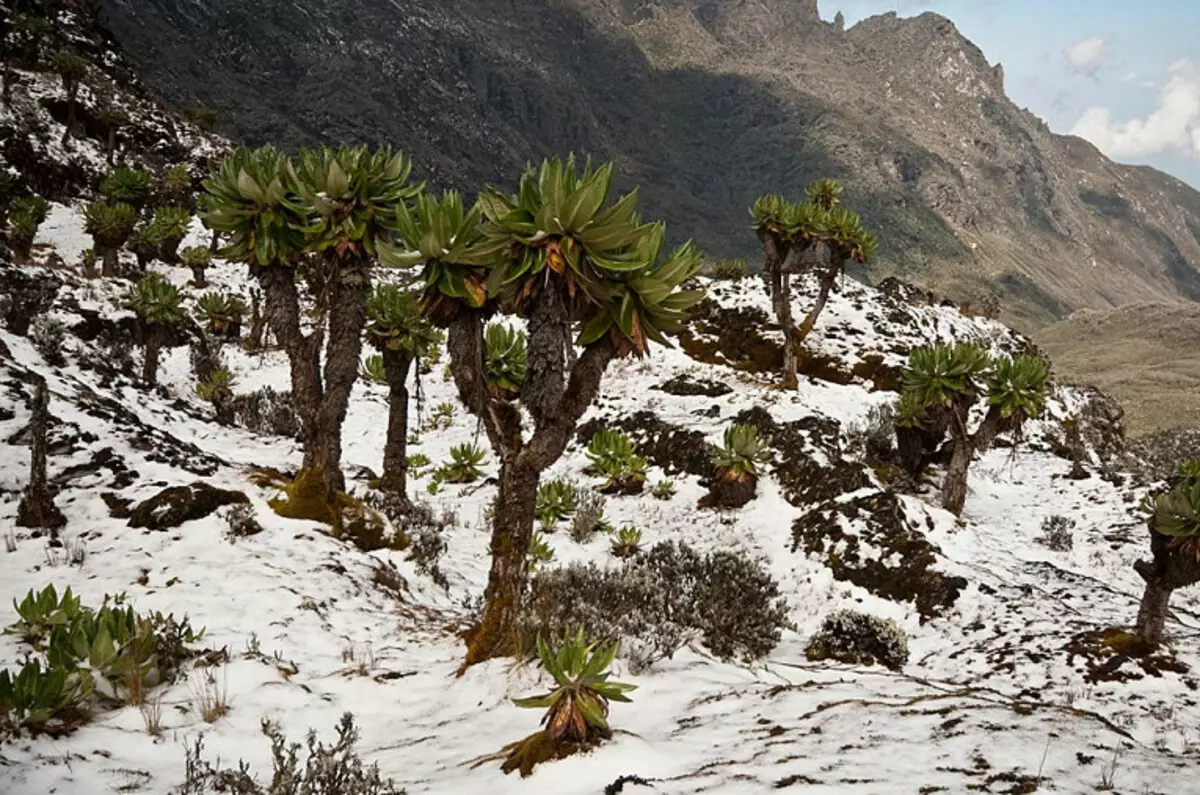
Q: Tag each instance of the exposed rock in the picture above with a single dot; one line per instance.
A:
(27, 294)
(118, 507)
(726, 493)
(684, 385)
(175, 505)
(868, 541)
(662, 444)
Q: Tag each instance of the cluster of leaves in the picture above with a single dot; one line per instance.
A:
(505, 358)
(613, 456)
(220, 311)
(663, 490)
(626, 542)
(25, 215)
(218, 387)
(729, 269)
(394, 323)
(659, 599)
(111, 654)
(374, 370)
(156, 301)
(743, 454)
(819, 219)
(1176, 512)
(540, 551)
(464, 466)
(557, 501)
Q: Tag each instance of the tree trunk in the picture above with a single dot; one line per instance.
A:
(282, 313)
(954, 488)
(111, 146)
(499, 633)
(37, 508)
(153, 342)
(549, 324)
(258, 324)
(215, 244)
(395, 452)
(347, 313)
(1173, 566)
(1152, 614)
(198, 276)
(66, 139)
(111, 262)
(790, 381)
(828, 277)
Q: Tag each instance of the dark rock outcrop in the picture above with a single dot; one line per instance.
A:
(175, 505)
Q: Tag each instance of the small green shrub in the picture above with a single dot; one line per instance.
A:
(589, 517)
(663, 490)
(464, 464)
(627, 542)
(220, 311)
(218, 387)
(540, 551)
(129, 185)
(729, 269)
(613, 457)
(743, 454)
(155, 300)
(859, 639)
(557, 501)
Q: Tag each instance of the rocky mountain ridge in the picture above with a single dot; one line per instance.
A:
(706, 104)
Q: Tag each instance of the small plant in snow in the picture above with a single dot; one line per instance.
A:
(333, 770)
(859, 639)
(240, 521)
(576, 707)
(627, 542)
(663, 490)
(463, 466)
(557, 500)
(589, 517)
(1058, 533)
(613, 457)
(540, 551)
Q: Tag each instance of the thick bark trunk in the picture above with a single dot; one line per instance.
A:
(790, 381)
(1173, 567)
(826, 284)
(954, 488)
(111, 262)
(347, 312)
(545, 377)
(397, 365)
(168, 252)
(215, 244)
(1152, 614)
(499, 632)
(37, 508)
(70, 126)
(153, 341)
(198, 278)
(282, 313)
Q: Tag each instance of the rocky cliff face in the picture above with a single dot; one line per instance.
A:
(706, 104)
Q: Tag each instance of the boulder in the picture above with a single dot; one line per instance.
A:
(175, 505)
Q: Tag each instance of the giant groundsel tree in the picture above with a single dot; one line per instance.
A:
(1174, 526)
(816, 235)
(562, 258)
(331, 205)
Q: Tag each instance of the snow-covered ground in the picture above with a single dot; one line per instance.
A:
(989, 702)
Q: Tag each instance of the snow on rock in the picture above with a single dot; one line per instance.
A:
(991, 700)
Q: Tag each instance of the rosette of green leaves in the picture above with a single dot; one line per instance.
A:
(1017, 387)
(939, 374)
(505, 357)
(246, 200)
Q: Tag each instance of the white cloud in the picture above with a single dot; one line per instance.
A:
(1174, 124)
(1085, 57)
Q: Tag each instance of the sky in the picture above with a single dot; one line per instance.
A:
(1125, 76)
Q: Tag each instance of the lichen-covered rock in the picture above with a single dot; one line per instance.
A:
(175, 505)
(859, 639)
(868, 540)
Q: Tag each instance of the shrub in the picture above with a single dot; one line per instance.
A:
(240, 521)
(221, 312)
(540, 551)
(334, 770)
(613, 457)
(266, 411)
(217, 388)
(428, 544)
(48, 335)
(859, 639)
(729, 269)
(656, 601)
(557, 500)
(24, 217)
(1058, 533)
(742, 455)
(51, 701)
(589, 517)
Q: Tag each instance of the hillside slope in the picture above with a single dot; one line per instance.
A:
(996, 694)
(706, 105)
